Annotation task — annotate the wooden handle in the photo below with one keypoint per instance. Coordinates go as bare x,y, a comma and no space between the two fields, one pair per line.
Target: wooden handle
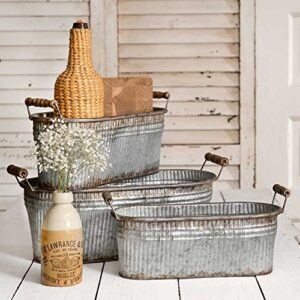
216,159
107,198
17,171
39,102
281,190
158,95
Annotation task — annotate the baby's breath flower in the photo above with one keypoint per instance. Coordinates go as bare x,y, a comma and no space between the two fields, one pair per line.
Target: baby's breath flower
65,150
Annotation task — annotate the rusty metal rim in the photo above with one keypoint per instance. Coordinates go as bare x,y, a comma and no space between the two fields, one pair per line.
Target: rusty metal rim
133,188
222,274
101,182
153,187
48,116
197,218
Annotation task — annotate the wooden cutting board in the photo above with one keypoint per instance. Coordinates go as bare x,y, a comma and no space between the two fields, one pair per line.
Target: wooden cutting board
127,95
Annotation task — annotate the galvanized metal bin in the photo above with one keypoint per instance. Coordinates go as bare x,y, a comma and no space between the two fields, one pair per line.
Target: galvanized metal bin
134,142
99,227
204,240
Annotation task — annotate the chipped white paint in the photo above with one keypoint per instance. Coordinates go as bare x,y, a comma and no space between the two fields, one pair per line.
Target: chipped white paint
196,79
189,48
247,93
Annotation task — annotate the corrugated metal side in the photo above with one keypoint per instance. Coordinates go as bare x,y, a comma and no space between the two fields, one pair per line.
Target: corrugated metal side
197,248
99,227
134,148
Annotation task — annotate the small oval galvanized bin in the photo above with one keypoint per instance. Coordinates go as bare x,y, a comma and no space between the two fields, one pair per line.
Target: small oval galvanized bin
134,142
99,227
204,240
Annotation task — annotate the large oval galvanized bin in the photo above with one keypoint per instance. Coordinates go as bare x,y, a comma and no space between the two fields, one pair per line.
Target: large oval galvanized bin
99,227
204,240
134,143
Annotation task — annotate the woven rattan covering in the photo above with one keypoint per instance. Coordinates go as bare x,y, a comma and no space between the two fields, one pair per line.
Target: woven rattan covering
79,90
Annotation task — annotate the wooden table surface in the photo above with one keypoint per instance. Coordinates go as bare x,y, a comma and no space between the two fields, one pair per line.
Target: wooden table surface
20,276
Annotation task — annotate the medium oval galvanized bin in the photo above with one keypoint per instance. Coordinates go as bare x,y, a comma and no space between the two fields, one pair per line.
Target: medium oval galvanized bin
134,142
166,186
204,240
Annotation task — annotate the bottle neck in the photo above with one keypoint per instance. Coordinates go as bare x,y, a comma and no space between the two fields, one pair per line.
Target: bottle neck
80,50
62,198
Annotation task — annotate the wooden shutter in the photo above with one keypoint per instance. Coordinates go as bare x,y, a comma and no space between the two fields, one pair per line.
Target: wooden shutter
34,40
191,49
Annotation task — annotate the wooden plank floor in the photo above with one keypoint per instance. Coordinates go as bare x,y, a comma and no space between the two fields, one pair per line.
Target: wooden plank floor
20,277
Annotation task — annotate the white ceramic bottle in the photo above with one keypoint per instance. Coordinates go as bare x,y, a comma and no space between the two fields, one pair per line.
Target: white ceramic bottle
62,243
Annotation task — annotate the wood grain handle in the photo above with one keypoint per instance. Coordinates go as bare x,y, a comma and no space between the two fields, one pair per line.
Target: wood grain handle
281,190
17,171
159,95
216,159
40,102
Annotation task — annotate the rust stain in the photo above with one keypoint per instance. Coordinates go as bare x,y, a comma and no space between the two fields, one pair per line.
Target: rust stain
201,274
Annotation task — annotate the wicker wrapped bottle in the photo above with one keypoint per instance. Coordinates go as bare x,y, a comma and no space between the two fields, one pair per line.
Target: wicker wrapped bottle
79,90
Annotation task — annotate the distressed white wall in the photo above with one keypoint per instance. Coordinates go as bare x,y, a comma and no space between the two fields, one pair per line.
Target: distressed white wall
33,51
189,48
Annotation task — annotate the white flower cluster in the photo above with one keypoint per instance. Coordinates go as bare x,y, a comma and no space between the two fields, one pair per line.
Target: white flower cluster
64,151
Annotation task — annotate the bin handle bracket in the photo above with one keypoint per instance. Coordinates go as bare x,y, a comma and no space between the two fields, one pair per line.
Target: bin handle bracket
19,173
39,102
283,191
109,201
159,95
216,159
